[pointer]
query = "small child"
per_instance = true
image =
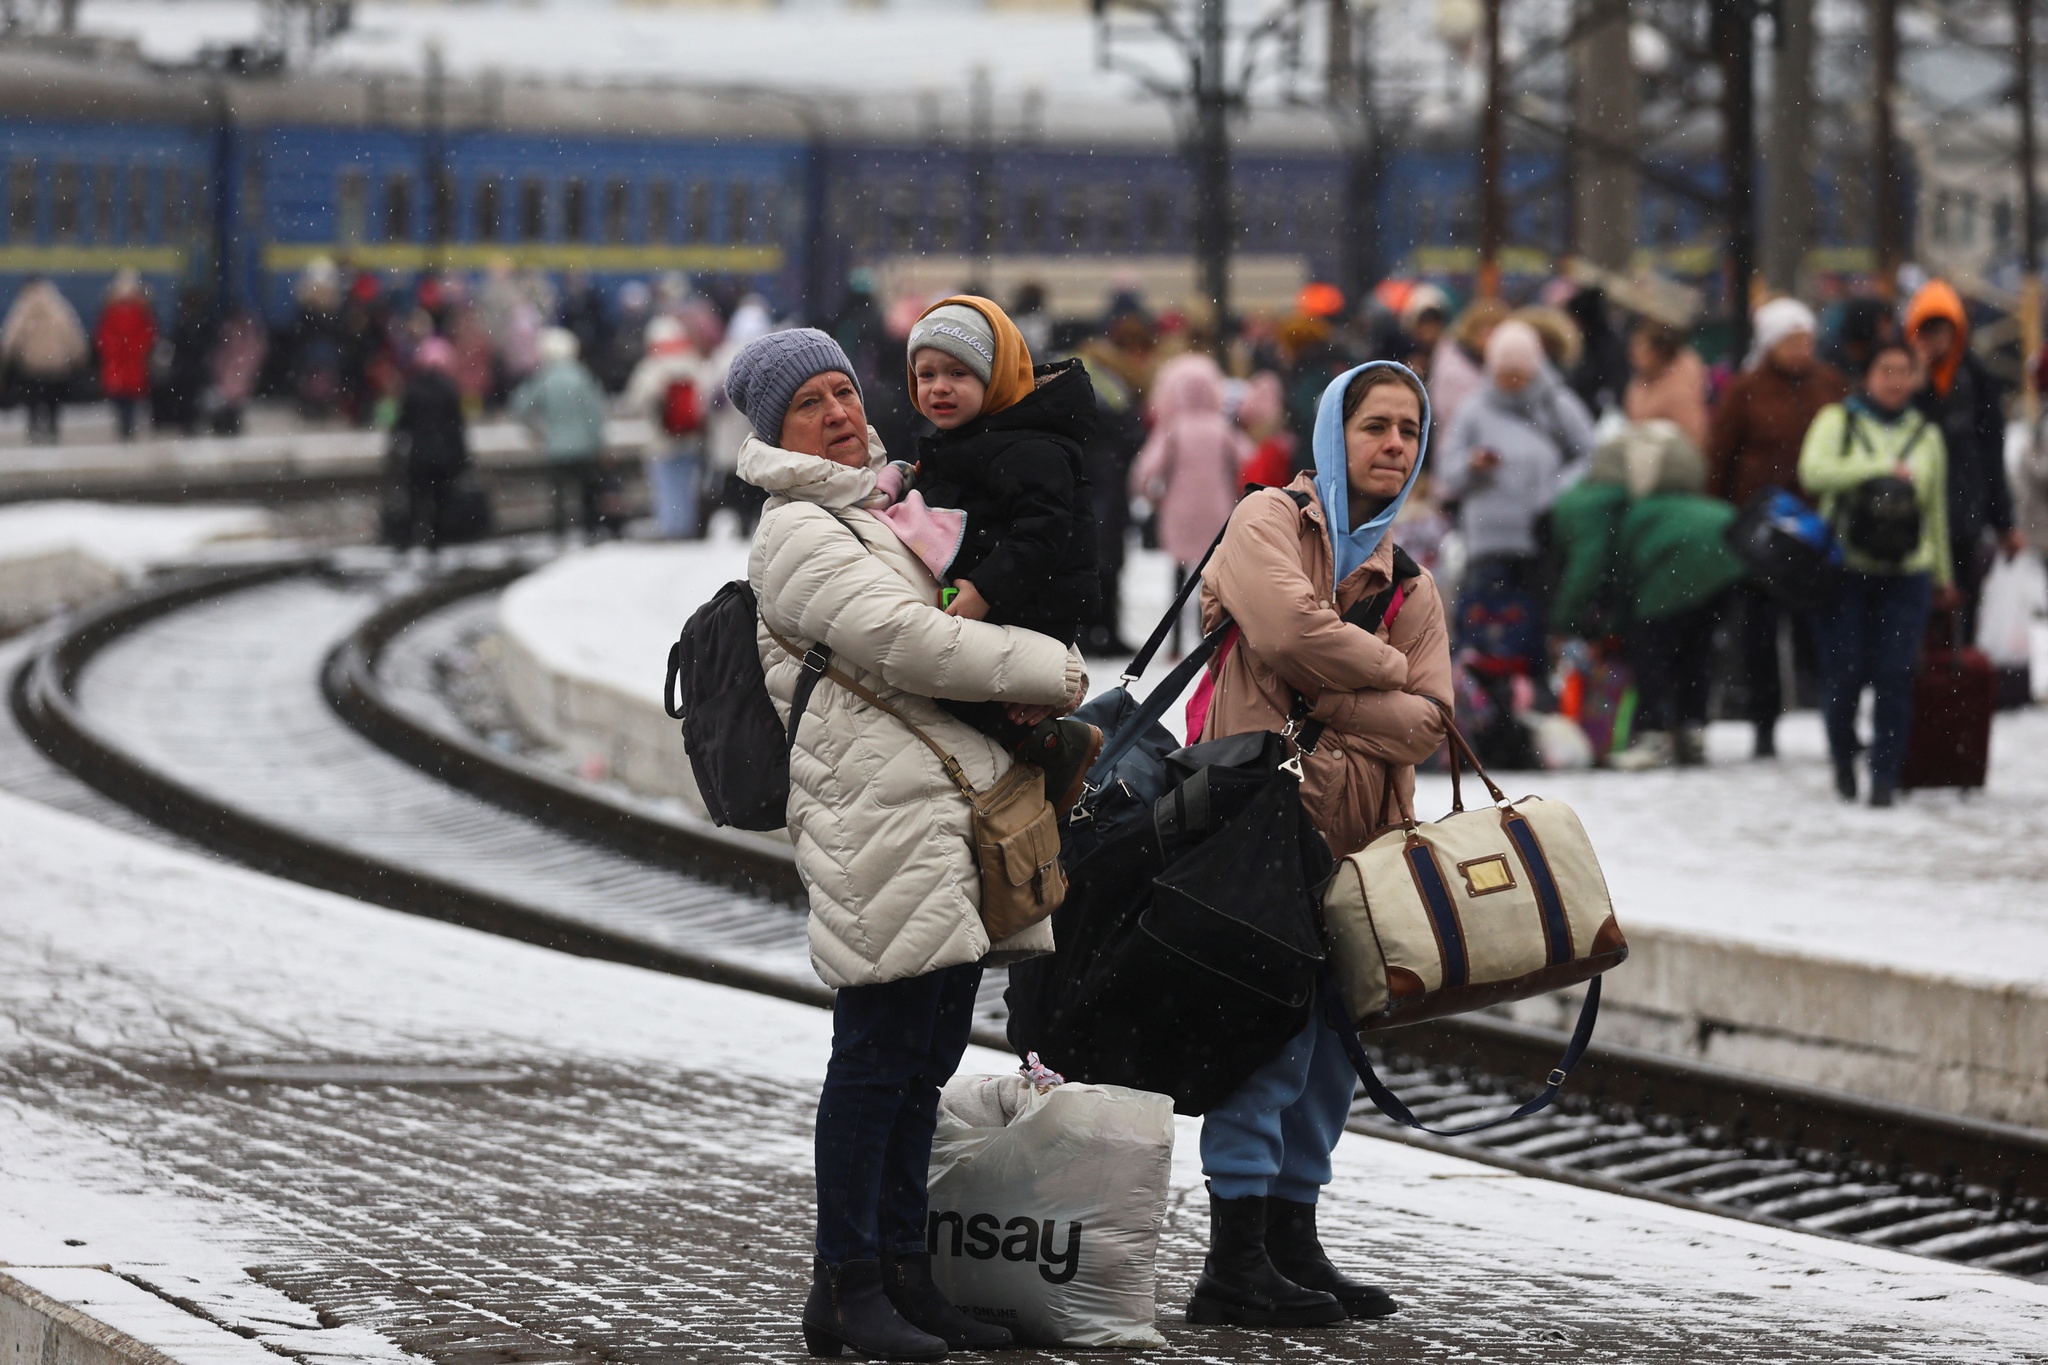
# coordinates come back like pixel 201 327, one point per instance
pixel 1008 455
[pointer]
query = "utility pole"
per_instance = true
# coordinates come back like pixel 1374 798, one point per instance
pixel 2030 211
pixel 1212 165
pixel 1788 227
pixel 1887 201
pixel 981 136
pixel 1735 46
pixel 1603 198
pixel 1493 211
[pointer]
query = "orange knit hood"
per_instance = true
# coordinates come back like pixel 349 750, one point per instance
pixel 1938 299
pixel 1009 381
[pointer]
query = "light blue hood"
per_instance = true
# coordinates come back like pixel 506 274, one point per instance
pixel 1352 546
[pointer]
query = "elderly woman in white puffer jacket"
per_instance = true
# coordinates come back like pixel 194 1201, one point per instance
pixel 881 833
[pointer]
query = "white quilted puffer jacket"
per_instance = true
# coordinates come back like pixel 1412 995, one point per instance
pixel 881 834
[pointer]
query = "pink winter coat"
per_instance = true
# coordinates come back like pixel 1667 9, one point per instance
pixel 1190 468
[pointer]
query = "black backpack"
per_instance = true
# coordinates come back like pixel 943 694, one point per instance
pixel 739 752
pixel 1880 517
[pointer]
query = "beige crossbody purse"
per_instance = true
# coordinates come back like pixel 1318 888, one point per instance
pixel 1016 832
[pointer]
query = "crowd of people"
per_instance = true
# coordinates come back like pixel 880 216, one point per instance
pixel 1585 464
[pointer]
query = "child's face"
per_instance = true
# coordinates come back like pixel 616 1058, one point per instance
pixel 948 392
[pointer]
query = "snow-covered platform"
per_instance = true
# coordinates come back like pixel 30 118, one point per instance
pixel 272 454
pixel 287 1120
pixel 56 554
pixel 1901 954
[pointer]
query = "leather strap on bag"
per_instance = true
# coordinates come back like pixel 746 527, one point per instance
pixel 951 764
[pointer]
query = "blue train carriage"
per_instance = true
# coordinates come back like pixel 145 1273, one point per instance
pixel 619 183
pixel 103 167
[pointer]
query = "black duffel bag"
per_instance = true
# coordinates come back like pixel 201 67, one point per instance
pixel 1190 943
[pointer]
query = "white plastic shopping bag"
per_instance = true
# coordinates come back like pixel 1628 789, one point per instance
pixel 2015 598
pixel 1046 1203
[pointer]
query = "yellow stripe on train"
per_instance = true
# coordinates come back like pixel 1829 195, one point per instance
pixel 736 259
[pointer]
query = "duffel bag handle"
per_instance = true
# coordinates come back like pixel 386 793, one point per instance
pixel 1390 1104
pixel 1461 754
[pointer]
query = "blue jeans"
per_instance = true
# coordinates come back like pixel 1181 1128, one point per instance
pixel 1870 637
pixel 893 1046
pixel 1274 1135
pixel 673 479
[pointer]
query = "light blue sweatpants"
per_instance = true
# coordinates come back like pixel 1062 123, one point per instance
pixel 1274 1135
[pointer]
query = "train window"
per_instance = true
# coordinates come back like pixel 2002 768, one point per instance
pixel 1157 225
pixel 661 210
pixel 947 212
pixel 138 203
pixel 174 205
pixel 533 210
pixel 441 206
pixel 1116 218
pixel 64 205
pixel 1073 218
pixel 398 208
pixel 739 211
pixel 575 209
pixel 699 212
pixel 21 201
pixel 899 219
pixel 490 209
pixel 1030 220
pixel 769 216
pixel 351 207
pixel 103 185
pixel 855 210
pixel 618 211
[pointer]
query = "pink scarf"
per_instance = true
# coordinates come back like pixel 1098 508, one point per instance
pixel 933 534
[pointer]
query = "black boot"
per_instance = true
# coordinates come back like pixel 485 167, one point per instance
pixel 848 1311
pixel 1845 779
pixel 1239 1285
pixel 1297 1253
pixel 908 1282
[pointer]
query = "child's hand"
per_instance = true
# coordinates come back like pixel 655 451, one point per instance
pixel 1030 715
pixel 969 603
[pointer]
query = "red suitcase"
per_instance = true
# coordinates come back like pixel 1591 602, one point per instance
pixel 1954 695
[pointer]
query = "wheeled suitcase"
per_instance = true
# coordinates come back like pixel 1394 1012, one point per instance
pixel 1954 696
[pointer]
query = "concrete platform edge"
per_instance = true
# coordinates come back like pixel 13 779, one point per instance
pixel 37 1327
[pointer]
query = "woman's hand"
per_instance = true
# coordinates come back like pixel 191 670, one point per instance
pixel 1030 715
pixel 968 602
pixel 1948 599
pixel 1485 461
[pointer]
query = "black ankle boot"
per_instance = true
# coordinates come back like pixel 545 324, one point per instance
pixel 908 1282
pixel 1239 1285
pixel 848 1311
pixel 1297 1253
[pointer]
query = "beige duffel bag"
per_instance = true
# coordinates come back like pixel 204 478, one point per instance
pixel 1476 909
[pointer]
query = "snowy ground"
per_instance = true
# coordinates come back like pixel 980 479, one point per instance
pixel 639 1189
pixel 1946 884
pixel 127 539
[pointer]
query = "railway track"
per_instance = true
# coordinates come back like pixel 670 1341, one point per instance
pixel 288 716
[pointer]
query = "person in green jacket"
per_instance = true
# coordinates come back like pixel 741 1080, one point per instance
pixel 1646 559
pixel 566 410
pixel 1870 633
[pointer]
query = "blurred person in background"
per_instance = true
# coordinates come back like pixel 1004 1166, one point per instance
pixel 1668 381
pixel 1259 413
pixel 1645 557
pixel 668 389
pixel 42 346
pixel 1504 459
pixel 2031 510
pixel 726 428
pixel 429 444
pixel 1863 324
pixel 1190 467
pixel 312 342
pixel 182 368
pixel 1870 634
pixel 1753 443
pixel 583 315
pixel 614 366
pixel 125 337
pixel 1600 375
pixel 565 409
pixel 1960 396
pixel 233 366
pixel 1107 452
pixel 1425 317
pixel 1032 319
pixel 1457 366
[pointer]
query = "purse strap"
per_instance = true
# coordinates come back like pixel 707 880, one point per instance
pixel 825 670
pixel 1390 1104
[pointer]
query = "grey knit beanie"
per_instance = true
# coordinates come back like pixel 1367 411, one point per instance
pixel 961 331
pixel 769 370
